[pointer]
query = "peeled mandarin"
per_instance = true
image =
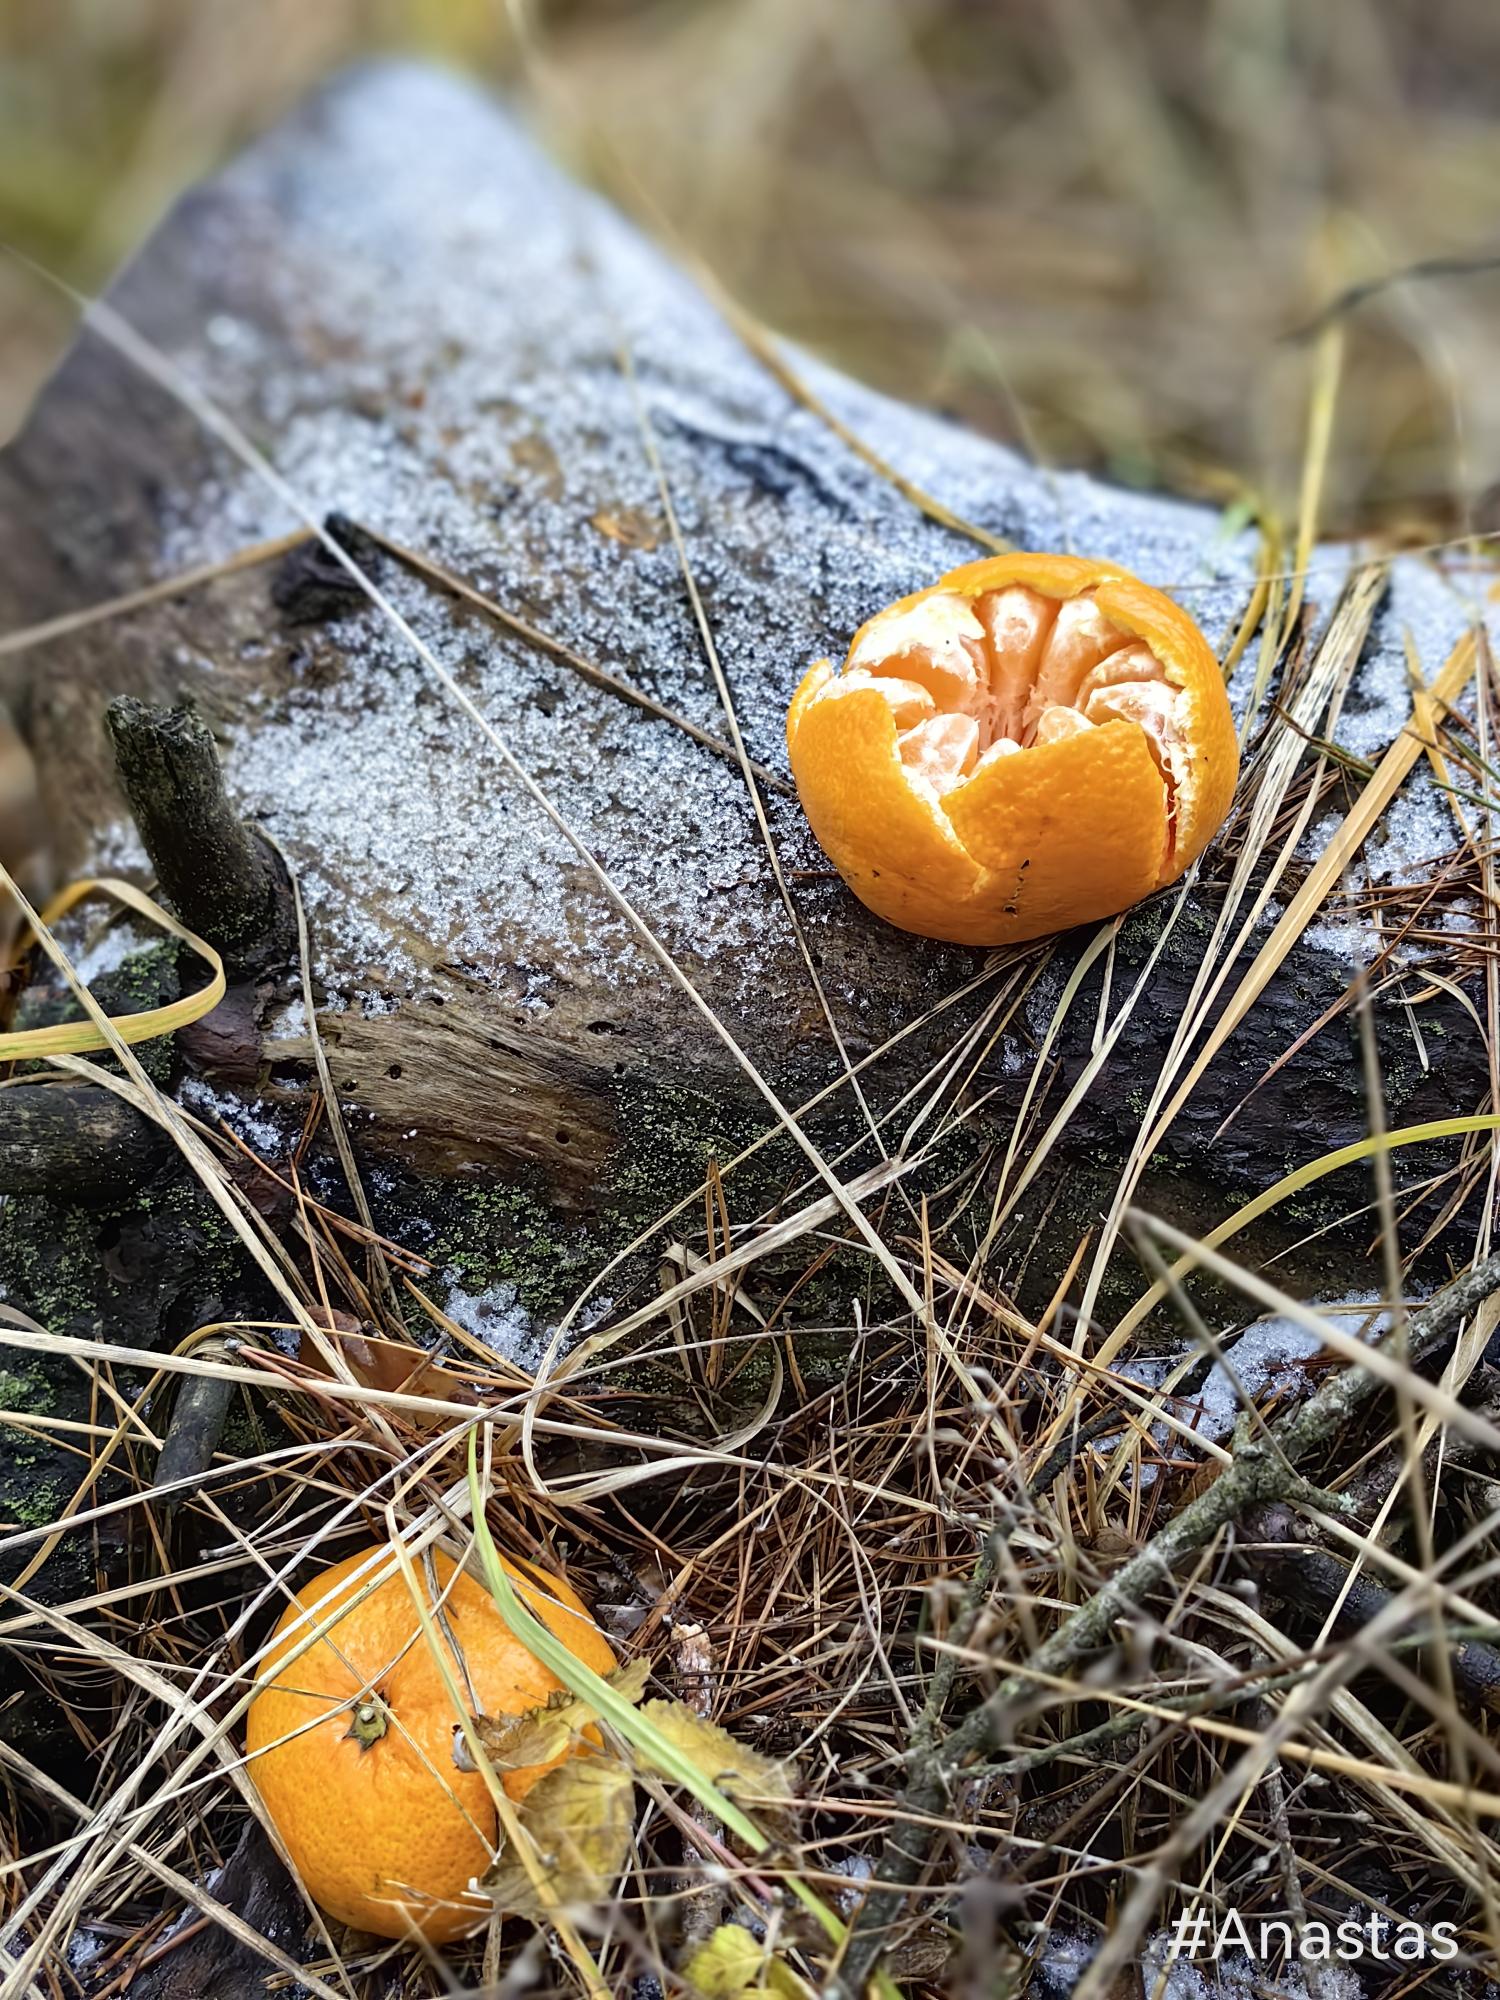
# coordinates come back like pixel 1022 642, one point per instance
pixel 1036 741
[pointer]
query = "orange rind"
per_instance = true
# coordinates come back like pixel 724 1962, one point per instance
pixel 1033 742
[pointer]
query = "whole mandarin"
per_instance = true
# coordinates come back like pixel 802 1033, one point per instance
pixel 350 1742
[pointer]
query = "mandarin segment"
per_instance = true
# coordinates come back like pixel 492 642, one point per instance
pixel 886 836
pixel 350 1742
pixel 937 641
pixel 1016 622
pixel 1034 741
pixel 1080 638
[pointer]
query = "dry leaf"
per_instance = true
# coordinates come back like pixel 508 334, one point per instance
pixel 744 1775
pixel 540 1736
pixel 732 1965
pixel 924 1955
pixel 543 1734
pixel 388 1364
pixel 629 1682
pixel 580 1817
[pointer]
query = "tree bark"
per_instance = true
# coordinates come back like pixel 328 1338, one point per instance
pixel 75 1141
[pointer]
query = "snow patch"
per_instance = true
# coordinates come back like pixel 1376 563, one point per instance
pixel 496 1318
pixel 258 1124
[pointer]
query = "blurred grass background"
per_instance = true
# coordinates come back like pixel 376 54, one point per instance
pixel 1087 226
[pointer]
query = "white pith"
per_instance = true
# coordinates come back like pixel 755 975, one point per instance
pixel 971 681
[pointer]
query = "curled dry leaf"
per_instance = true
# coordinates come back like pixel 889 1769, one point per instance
pixel 580 1818
pixel 579 1815
pixel 389 1364
pixel 732 1965
pixel 759 1783
pixel 545 1733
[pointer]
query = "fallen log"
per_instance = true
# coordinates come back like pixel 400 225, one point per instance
pixel 436 336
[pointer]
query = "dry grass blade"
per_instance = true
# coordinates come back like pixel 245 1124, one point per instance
pixel 1331 673
pixel 1393 770
pixel 77 1037
pixel 764 346
pixel 380 1275
pixel 155 1105
pixel 254 557
pixel 748 768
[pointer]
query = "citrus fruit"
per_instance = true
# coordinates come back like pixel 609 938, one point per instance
pixel 1033 742
pixel 350 1744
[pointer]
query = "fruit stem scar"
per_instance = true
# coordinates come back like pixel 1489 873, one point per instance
pixel 368 1723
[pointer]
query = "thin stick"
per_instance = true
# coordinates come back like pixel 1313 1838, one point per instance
pixel 556 649
pixel 151 593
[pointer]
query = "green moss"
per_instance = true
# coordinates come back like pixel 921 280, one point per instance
pixel 146 979
pixel 507 1233
pixel 26 1389
pixel 32 1488
pixel 49 1260
pixel 109 1273
pixel 36 1508
pixel 245 1434
pixel 55 1260
pixel 674 1132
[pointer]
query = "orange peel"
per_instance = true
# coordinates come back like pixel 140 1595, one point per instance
pixel 1034 741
